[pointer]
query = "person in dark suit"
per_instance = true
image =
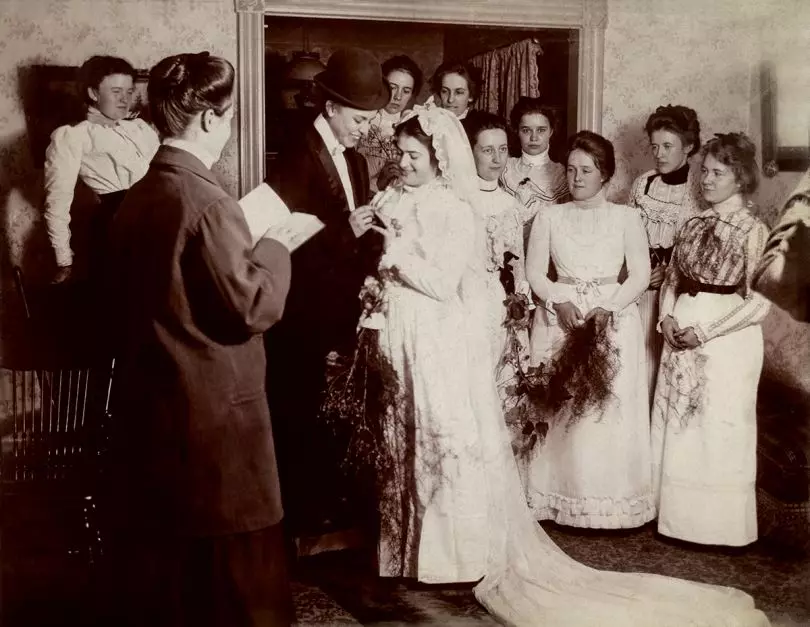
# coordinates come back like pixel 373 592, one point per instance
pixel 194 500
pixel 320 172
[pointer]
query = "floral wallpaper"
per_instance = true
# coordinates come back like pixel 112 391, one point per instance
pixel 660 53
pixel 66 32
pixel 654 57
pixel 695 53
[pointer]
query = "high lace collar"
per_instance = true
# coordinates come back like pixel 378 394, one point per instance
pixel 422 189
pixel 487 186
pixel 594 202
pixel 534 161
pixel 730 205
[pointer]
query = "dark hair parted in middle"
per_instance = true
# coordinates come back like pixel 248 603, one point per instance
pixel 467 72
pixel 529 106
pixel 404 63
pixel 677 119
pixel 738 152
pixel 479 121
pixel 183 85
pixel 412 128
pixel 600 150
pixel 99 67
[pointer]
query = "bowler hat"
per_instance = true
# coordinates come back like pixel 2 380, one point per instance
pixel 354 78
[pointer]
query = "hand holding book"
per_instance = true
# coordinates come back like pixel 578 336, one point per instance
pixel 267 216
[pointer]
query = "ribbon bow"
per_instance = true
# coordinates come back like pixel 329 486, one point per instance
pixel 584 287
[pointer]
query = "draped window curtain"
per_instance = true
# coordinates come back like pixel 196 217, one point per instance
pixel 507 74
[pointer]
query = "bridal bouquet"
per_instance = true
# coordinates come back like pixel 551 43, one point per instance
pixel 361 390
pixel 578 380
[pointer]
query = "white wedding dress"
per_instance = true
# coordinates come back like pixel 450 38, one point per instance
pixel 469 519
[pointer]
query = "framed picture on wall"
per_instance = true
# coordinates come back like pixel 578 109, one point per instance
pixel 52 97
pixel 785 119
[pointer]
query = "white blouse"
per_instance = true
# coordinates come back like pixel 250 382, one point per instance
pixel 108 156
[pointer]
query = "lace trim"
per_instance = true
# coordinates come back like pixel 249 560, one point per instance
pixel 593 511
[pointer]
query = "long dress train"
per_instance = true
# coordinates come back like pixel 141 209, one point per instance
pixel 467 517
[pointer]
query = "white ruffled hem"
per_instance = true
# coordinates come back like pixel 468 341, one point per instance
pixel 593 512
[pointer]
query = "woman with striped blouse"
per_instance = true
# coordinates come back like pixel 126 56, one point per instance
pixel 704 412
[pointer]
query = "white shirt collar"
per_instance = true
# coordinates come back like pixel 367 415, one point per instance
pixel 535 160
pixel 195 149
pixel 464 114
pixel 325 131
pixel 95 116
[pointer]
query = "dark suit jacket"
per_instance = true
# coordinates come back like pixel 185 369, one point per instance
pixel 328 270
pixel 192 443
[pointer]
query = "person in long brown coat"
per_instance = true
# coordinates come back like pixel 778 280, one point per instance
pixel 194 501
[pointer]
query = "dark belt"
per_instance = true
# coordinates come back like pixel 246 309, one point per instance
pixel 692 287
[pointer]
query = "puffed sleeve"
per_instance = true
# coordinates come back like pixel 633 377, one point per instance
pixel 636 192
pixel 439 275
pixel 637 258
pixel 754 307
pixel 250 285
pixel 538 257
pixel 63 160
pixel 150 142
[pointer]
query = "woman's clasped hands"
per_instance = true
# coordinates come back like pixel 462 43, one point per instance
pixel 677 338
pixel 570 317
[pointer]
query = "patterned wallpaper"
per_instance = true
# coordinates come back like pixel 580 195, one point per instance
pixel 655 56
pixel 66 32
pixel 659 53
pixel 691 52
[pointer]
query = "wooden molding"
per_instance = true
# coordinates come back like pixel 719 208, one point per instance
pixel 589 17
pixel 250 36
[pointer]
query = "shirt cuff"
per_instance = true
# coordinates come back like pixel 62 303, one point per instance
pixel 661 320
pixel 64 260
pixel 700 333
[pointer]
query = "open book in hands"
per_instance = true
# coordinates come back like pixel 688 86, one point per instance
pixel 267 216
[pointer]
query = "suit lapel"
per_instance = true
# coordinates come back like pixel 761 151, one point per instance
pixel 358 173
pixel 331 178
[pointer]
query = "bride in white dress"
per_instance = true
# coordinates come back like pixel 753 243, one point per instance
pixel 468 520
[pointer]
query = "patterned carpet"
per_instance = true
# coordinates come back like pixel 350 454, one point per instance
pixel 340 588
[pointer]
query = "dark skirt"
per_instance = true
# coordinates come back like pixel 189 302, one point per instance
pixel 237 580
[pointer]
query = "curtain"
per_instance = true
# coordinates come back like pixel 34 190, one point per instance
pixel 507 74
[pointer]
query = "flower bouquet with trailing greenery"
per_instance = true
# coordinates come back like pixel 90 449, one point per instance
pixel 579 378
